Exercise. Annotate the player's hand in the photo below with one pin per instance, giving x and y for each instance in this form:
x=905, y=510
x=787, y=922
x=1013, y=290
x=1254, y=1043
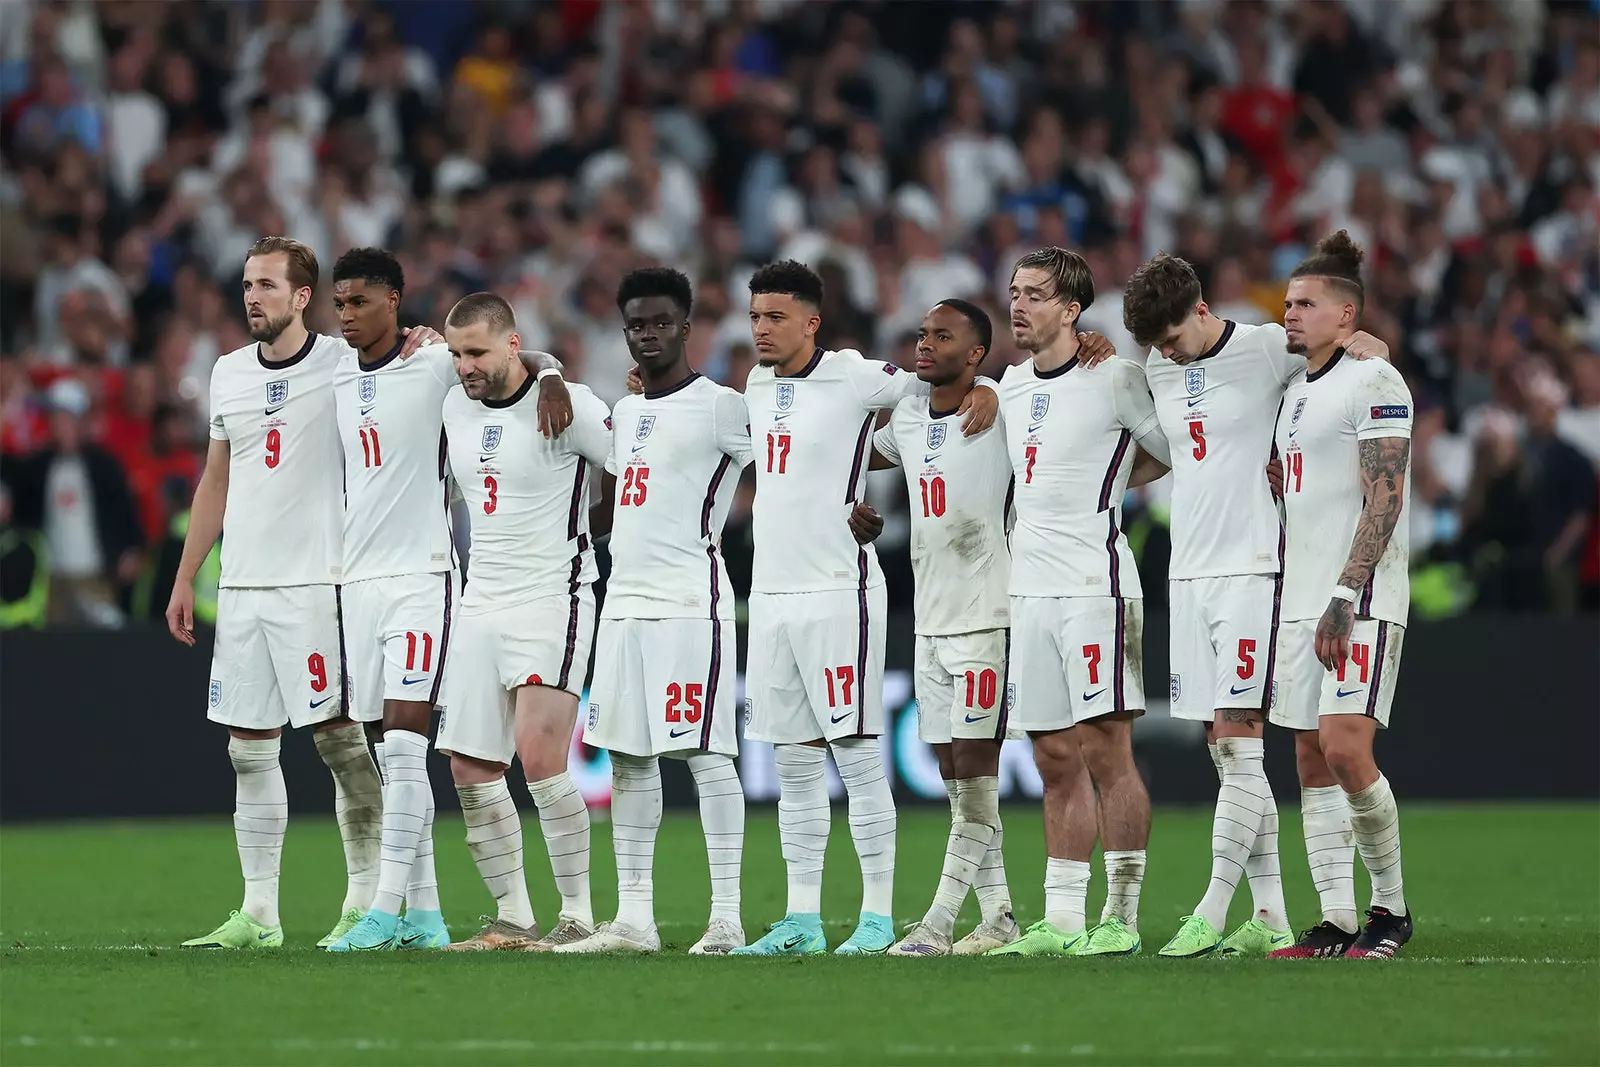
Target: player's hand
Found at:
x=1094, y=349
x=865, y=523
x=1333, y=633
x=180, y=612
x=1362, y=345
x=416, y=337
x=978, y=410
x=555, y=406
x=1275, y=476
x=635, y=383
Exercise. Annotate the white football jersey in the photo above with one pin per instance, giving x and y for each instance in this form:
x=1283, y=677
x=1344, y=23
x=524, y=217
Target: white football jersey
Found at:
x=1324, y=418
x=527, y=496
x=1071, y=434
x=960, y=493
x=285, y=511
x=391, y=423
x=1219, y=413
x=677, y=455
x=811, y=434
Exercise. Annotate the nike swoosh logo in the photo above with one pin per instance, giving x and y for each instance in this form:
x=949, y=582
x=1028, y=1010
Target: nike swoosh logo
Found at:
x=1196, y=400
x=263, y=937
x=484, y=459
x=368, y=411
x=976, y=718
x=780, y=418
x=841, y=718
x=929, y=459
x=680, y=733
x=1034, y=429
x=412, y=939
x=795, y=941
x=274, y=411
x=1341, y=694
x=413, y=681
x=638, y=448
x=1294, y=431
x=1091, y=696
x=1236, y=691
x=318, y=703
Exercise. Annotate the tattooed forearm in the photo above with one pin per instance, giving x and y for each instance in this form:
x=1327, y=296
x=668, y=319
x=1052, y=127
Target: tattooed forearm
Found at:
x=1383, y=482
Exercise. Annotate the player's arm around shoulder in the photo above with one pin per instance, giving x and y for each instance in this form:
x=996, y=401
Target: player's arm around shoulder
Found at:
x=885, y=443
x=590, y=433
x=730, y=417
x=981, y=407
x=1136, y=409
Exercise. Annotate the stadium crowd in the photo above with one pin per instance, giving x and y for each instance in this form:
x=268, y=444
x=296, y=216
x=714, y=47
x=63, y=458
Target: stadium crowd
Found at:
x=909, y=151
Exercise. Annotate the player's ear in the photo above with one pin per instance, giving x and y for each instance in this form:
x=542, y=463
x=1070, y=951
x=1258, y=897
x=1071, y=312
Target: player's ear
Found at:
x=302, y=298
x=514, y=340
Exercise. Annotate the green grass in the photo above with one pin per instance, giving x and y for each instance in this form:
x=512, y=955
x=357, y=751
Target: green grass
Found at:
x=1505, y=965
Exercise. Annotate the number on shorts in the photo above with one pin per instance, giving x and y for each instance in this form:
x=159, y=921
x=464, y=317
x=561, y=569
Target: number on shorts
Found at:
x=1247, y=659
x=1197, y=433
x=1295, y=468
x=493, y=488
x=777, y=453
x=683, y=701
x=1091, y=655
x=274, y=448
x=1032, y=452
x=846, y=678
x=411, y=651
x=369, y=446
x=633, y=485
x=932, y=497
x=1361, y=656
x=319, y=672
x=984, y=686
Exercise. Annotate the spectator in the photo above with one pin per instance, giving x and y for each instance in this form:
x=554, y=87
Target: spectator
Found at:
x=74, y=492
x=1563, y=488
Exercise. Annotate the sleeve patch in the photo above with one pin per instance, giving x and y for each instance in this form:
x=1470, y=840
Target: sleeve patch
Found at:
x=890, y=368
x=608, y=419
x=1391, y=411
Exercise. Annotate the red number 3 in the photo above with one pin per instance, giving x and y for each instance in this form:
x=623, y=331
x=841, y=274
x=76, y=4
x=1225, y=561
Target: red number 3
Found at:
x=494, y=500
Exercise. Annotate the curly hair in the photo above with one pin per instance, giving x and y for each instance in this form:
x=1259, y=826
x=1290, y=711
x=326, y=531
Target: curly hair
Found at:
x=373, y=265
x=788, y=277
x=656, y=281
x=1159, y=296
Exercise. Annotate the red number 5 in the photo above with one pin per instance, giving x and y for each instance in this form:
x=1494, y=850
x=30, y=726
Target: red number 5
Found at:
x=1197, y=432
x=1247, y=659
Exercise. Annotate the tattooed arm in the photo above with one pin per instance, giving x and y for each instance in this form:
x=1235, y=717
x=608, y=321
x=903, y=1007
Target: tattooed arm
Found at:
x=1383, y=479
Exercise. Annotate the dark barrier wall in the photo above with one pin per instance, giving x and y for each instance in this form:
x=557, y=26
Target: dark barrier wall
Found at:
x=113, y=724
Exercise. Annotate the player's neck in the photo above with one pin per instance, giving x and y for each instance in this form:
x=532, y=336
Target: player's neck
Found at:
x=796, y=363
x=514, y=380
x=1214, y=330
x=1061, y=352
x=1318, y=358
x=288, y=343
x=388, y=342
x=949, y=396
x=667, y=378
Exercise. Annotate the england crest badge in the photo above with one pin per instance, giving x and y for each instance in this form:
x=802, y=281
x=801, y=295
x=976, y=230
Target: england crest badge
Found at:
x=936, y=433
x=369, y=388
x=1299, y=409
x=1041, y=404
x=277, y=392
x=785, y=396
x=1194, y=380
x=642, y=430
x=491, y=438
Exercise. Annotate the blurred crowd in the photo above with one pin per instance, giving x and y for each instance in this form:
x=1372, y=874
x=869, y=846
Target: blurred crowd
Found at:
x=907, y=150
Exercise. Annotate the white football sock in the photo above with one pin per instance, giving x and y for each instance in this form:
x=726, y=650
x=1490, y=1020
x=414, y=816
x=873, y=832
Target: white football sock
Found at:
x=564, y=818
x=1241, y=806
x=803, y=821
x=405, y=813
x=1262, y=869
x=422, y=890
x=260, y=817
x=1375, y=819
x=872, y=819
x=976, y=816
x=1066, y=893
x=378, y=758
x=722, y=820
x=358, y=805
x=494, y=837
x=994, y=896
x=1124, y=879
x=1330, y=852
x=635, y=821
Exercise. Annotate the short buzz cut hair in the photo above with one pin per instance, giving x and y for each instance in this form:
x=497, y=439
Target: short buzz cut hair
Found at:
x=656, y=281
x=1069, y=274
x=374, y=265
x=488, y=308
x=303, y=270
x=1159, y=296
x=1337, y=261
x=976, y=317
x=788, y=277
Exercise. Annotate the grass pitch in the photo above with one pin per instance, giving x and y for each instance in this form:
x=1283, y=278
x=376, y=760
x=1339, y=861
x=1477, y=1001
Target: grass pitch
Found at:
x=1505, y=965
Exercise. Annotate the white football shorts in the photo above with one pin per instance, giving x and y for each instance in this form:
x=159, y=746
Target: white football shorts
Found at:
x=664, y=686
x=815, y=665
x=1074, y=659
x=961, y=687
x=496, y=652
x=396, y=633
x=277, y=657
x=1224, y=643
x=1364, y=687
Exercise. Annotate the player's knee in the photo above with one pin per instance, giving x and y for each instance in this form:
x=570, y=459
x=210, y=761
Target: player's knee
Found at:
x=1108, y=752
x=1348, y=757
x=1058, y=759
x=972, y=759
x=466, y=770
x=634, y=772
x=1309, y=761
x=414, y=716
